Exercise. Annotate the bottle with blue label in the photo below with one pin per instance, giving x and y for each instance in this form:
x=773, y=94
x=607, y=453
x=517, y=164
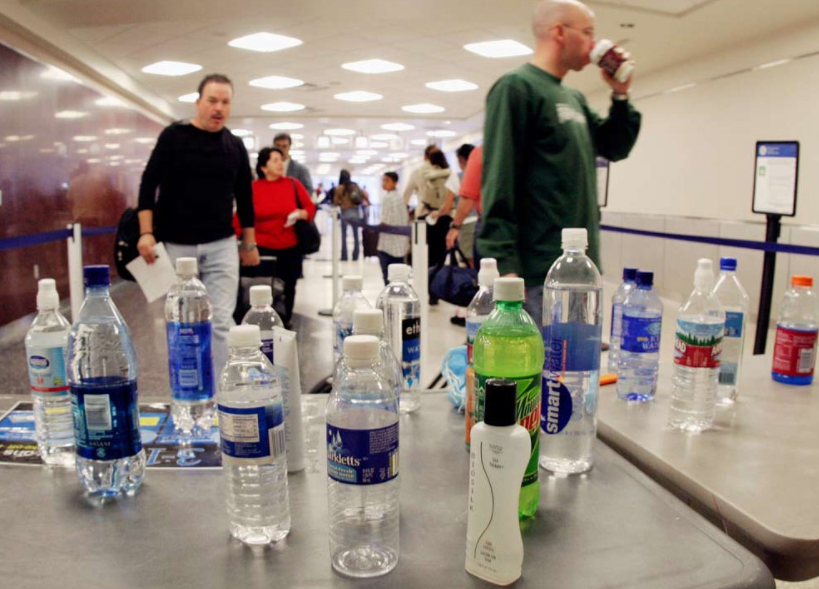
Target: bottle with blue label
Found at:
x=628, y=285
x=46, y=353
x=697, y=351
x=797, y=327
x=188, y=314
x=641, y=323
x=351, y=299
x=734, y=300
x=263, y=314
x=402, y=330
x=572, y=330
x=102, y=376
x=362, y=464
x=253, y=442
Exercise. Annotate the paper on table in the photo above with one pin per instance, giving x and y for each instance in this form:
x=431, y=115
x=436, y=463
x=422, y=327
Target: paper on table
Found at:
x=155, y=279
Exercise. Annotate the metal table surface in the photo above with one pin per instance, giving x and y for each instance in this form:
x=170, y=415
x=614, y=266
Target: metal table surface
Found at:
x=755, y=474
x=611, y=528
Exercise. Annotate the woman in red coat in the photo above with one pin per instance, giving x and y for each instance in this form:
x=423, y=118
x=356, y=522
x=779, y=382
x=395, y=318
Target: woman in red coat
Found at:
x=278, y=201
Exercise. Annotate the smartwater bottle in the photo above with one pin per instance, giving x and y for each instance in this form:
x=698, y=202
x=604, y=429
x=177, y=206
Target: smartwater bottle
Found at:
x=254, y=453
x=402, y=327
x=188, y=314
x=797, y=327
x=351, y=299
x=628, y=285
x=572, y=329
x=46, y=353
x=102, y=375
x=734, y=300
x=362, y=464
x=642, y=324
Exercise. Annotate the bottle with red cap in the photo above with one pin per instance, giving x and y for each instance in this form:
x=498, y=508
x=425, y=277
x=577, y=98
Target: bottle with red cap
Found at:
x=797, y=327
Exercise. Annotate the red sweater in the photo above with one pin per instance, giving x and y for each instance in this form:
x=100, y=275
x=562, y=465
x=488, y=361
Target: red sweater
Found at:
x=272, y=202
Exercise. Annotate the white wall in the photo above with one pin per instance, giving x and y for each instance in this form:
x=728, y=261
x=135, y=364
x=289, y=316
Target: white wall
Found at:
x=695, y=153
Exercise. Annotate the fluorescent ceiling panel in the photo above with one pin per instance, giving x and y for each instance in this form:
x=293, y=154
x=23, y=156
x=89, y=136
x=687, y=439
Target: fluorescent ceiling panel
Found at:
x=265, y=42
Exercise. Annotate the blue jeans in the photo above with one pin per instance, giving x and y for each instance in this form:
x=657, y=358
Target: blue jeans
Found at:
x=534, y=304
x=218, y=263
x=348, y=215
x=386, y=259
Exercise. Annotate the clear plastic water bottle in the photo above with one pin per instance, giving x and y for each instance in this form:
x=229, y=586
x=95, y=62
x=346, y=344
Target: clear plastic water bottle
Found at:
x=351, y=299
x=734, y=300
x=46, y=353
x=371, y=322
x=102, y=375
x=402, y=330
x=262, y=314
x=697, y=349
x=362, y=464
x=188, y=314
x=642, y=323
x=479, y=308
x=796, y=333
x=572, y=330
x=628, y=285
x=251, y=428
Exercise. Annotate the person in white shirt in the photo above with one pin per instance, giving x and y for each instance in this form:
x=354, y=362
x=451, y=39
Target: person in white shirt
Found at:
x=392, y=249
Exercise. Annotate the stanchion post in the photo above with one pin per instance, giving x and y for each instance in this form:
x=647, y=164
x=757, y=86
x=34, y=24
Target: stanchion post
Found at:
x=772, y=231
x=420, y=274
x=335, y=255
x=75, y=282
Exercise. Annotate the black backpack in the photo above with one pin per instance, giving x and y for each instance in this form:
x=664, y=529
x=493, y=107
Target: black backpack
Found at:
x=125, y=244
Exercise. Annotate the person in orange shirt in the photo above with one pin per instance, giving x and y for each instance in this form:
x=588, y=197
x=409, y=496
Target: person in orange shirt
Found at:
x=470, y=194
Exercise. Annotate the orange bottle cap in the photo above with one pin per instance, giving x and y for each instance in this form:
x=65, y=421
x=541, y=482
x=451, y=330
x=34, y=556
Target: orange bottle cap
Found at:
x=799, y=280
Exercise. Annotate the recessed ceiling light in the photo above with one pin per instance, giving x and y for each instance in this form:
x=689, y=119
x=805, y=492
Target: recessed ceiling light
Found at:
x=14, y=95
x=84, y=138
x=286, y=126
x=764, y=66
x=378, y=144
x=118, y=131
x=502, y=48
x=55, y=73
x=397, y=127
x=241, y=132
x=424, y=108
x=456, y=85
x=283, y=106
x=373, y=66
x=171, y=68
x=276, y=82
x=441, y=133
x=70, y=114
x=115, y=157
x=384, y=136
x=419, y=142
x=109, y=101
x=358, y=160
x=112, y=146
x=145, y=140
x=192, y=97
x=358, y=96
x=93, y=160
x=265, y=42
x=11, y=138
x=339, y=140
x=366, y=152
x=339, y=132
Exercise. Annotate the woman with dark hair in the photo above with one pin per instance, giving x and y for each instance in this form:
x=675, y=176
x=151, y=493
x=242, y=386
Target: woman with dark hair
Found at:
x=279, y=202
x=349, y=197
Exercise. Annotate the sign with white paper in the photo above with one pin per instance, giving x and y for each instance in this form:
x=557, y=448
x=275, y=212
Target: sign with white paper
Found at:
x=775, y=177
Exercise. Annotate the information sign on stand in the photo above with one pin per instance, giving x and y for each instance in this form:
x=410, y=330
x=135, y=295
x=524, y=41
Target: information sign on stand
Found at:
x=602, y=165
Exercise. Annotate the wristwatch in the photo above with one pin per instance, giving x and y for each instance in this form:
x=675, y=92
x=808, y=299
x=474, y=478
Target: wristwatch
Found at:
x=619, y=96
x=454, y=226
x=247, y=247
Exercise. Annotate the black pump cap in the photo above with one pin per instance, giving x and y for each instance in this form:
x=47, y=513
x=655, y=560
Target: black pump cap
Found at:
x=500, y=402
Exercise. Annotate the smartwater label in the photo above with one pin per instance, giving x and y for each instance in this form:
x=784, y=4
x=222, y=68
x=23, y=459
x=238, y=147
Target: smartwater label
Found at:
x=527, y=408
x=342, y=330
x=106, y=420
x=46, y=370
x=252, y=435
x=411, y=352
x=640, y=335
x=473, y=324
x=362, y=456
x=555, y=407
x=267, y=347
x=698, y=345
x=795, y=351
x=190, y=360
x=572, y=347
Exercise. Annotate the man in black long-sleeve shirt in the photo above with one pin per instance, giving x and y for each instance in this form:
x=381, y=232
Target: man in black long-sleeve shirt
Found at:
x=200, y=167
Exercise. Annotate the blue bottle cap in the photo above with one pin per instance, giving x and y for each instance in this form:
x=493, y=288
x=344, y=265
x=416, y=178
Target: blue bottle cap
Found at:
x=729, y=264
x=645, y=279
x=629, y=274
x=96, y=275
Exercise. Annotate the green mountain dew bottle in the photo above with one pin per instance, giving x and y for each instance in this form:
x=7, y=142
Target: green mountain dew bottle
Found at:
x=509, y=345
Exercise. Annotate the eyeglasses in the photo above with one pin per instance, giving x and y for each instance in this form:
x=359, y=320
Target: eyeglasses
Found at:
x=588, y=33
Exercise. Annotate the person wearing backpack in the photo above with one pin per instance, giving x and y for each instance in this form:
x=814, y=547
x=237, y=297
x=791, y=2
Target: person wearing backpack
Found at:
x=349, y=196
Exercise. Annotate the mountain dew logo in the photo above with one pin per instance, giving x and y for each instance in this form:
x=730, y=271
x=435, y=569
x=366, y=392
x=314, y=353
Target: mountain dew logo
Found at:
x=698, y=345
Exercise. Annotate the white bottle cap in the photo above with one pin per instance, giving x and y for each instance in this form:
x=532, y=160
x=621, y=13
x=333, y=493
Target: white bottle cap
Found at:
x=352, y=282
x=47, y=296
x=261, y=295
x=509, y=289
x=575, y=238
x=368, y=322
x=704, y=275
x=488, y=272
x=361, y=347
x=186, y=266
x=245, y=336
x=400, y=272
